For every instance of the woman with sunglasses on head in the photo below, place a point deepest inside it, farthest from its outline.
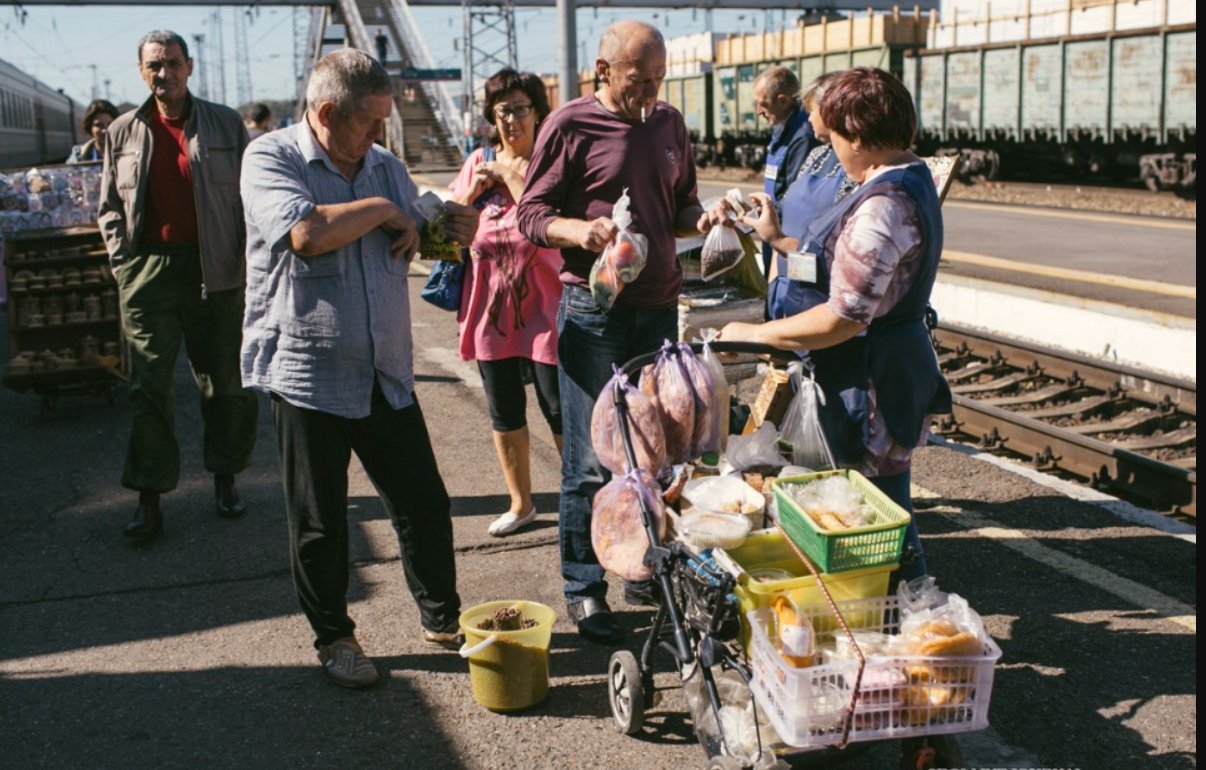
(508, 313)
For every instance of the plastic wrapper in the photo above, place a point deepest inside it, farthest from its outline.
(833, 503)
(434, 242)
(666, 382)
(936, 693)
(644, 424)
(757, 449)
(740, 721)
(919, 595)
(703, 529)
(802, 426)
(623, 259)
(721, 252)
(793, 635)
(726, 494)
(711, 432)
(617, 528)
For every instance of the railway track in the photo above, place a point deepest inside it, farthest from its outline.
(1124, 431)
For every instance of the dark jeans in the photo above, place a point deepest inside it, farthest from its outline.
(589, 342)
(506, 396)
(394, 448)
(898, 489)
(162, 307)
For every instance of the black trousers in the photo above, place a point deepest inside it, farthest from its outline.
(395, 449)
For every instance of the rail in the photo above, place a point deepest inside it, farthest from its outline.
(1123, 430)
(319, 18)
(438, 93)
(359, 37)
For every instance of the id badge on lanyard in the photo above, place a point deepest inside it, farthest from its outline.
(802, 266)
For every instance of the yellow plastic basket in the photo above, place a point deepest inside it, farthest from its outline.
(768, 549)
(874, 545)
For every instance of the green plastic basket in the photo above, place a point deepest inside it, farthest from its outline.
(874, 545)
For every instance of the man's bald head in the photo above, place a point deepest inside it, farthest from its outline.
(629, 39)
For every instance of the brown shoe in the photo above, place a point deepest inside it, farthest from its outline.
(449, 640)
(346, 664)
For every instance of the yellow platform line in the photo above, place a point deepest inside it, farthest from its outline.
(1080, 276)
(1122, 220)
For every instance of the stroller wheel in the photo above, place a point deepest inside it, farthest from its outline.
(626, 692)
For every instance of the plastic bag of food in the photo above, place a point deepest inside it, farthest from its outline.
(434, 242)
(705, 437)
(833, 503)
(758, 448)
(802, 426)
(644, 424)
(721, 252)
(951, 629)
(704, 529)
(623, 259)
(794, 638)
(712, 418)
(617, 528)
(666, 382)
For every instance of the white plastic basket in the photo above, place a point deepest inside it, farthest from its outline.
(900, 695)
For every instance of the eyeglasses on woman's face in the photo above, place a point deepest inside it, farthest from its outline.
(508, 111)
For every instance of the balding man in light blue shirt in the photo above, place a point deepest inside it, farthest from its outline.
(331, 229)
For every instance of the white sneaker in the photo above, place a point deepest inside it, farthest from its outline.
(509, 522)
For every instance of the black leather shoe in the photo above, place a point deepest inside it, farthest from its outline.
(146, 524)
(596, 622)
(229, 504)
(646, 593)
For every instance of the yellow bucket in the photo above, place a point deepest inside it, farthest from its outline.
(509, 670)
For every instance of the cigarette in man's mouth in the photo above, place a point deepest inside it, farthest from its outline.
(642, 114)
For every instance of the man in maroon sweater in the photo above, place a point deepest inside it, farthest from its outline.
(587, 152)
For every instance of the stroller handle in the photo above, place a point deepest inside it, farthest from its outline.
(719, 346)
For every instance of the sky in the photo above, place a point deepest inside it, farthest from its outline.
(60, 45)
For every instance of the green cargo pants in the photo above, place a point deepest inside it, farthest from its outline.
(162, 304)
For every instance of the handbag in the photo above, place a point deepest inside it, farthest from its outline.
(443, 288)
(444, 284)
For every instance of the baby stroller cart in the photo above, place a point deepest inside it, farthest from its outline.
(754, 711)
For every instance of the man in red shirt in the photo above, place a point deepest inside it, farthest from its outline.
(172, 221)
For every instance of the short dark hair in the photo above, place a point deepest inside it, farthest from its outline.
(98, 107)
(165, 38)
(507, 80)
(259, 113)
(872, 106)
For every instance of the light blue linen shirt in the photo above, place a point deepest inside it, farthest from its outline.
(318, 329)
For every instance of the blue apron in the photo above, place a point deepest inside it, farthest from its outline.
(821, 184)
(774, 181)
(895, 353)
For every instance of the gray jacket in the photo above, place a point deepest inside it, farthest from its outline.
(216, 140)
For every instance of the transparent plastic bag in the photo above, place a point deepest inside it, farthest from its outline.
(644, 423)
(617, 526)
(718, 409)
(666, 382)
(802, 426)
(722, 251)
(758, 448)
(434, 242)
(833, 503)
(623, 259)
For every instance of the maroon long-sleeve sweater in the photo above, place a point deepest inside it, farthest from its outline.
(584, 158)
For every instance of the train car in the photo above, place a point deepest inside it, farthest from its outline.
(1106, 90)
(38, 124)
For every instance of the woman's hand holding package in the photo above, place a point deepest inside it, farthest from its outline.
(766, 224)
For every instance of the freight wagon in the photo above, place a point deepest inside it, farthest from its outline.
(37, 123)
(1100, 96)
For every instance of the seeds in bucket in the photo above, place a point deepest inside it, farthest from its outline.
(506, 619)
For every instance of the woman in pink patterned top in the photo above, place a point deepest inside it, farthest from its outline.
(858, 289)
(508, 315)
